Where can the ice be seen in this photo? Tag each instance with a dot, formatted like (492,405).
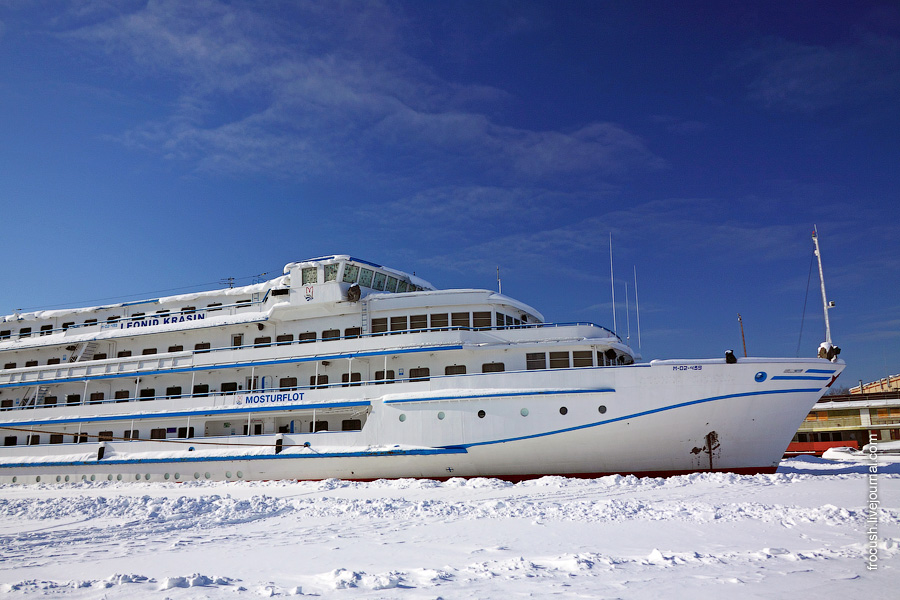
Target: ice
(798,533)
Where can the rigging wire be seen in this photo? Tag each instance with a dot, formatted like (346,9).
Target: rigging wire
(805,299)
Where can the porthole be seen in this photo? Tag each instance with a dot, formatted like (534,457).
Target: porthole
(166,476)
(602,409)
(38,479)
(93,477)
(196,475)
(563,410)
(58,479)
(402,418)
(137,476)
(84,477)
(227,474)
(109,477)
(524,412)
(240,474)
(481,414)
(147,476)
(119,477)
(15,479)
(441,416)
(67,478)
(207,475)
(177,475)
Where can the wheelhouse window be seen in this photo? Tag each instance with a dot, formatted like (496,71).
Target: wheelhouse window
(402,286)
(440,321)
(398,324)
(418,322)
(536,360)
(582,358)
(559,360)
(481,320)
(391,285)
(351,273)
(460,319)
(331,272)
(378,283)
(365,277)
(31,363)
(310,275)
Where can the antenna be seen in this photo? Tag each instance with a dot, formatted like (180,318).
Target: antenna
(229,281)
(637,308)
(743,341)
(612,284)
(499,285)
(627,316)
(825,304)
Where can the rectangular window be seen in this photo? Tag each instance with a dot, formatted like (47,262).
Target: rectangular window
(73,399)
(6,403)
(147,394)
(351,272)
(348,379)
(455,370)
(331,334)
(536,360)
(185,432)
(56,438)
(80,438)
(352,332)
(232,386)
(582,358)
(131,434)
(494,367)
(287,383)
(365,277)
(481,320)
(331,272)
(559,360)
(158,434)
(285,338)
(318,426)
(173,391)
(351,425)
(137,316)
(9,366)
(25,332)
(309,336)
(148,351)
(121,396)
(460,319)
(398,324)
(439,321)
(113,319)
(281,292)
(96,397)
(418,322)
(237,340)
(420,374)
(379,325)
(66,326)
(188,309)
(379,280)
(262,341)
(201,389)
(402,286)
(178,348)
(310,275)
(5,334)
(90,322)
(214,306)
(98,356)
(9,440)
(391,285)
(105,436)
(53,361)
(321,381)
(380,378)
(50,400)
(46,329)
(201,347)
(31,363)
(33,439)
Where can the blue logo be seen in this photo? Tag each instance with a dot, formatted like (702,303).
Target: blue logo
(761,376)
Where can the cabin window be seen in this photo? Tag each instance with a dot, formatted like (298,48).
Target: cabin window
(244,301)
(284,338)
(481,320)
(201,346)
(391,285)
(214,306)
(164,311)
(56,438)
(501,320)
(348,379)
(49,400)
(158,433)
(201,389)
(105,436)
(185,432)
(331,334)
(53,361)
(178,348)
(309,336)
(351,272)
(33,439)
(287,383)
(536,360)
(9,366)
(420,374)
(98,356)
(9,440)
(25,332)
(318,426)
(494,367)
(5,334)
(95,397)
(174,391)
(113,318)
(310,275)
(455,370)
(137,316)
(232,386)
(131,434)
(281,292)
(398,324)
(402,286)
(365,277)
(46,329)
(351,425)
(582,358)
(90,322)
(417,322)
(330,272)
(67,325)
(148,351)
(559,360)
(80,438)
(188,309)
(460,319)
(123,354)
(31,363)
(6,403)
(380,378)
(262,341)
(147,394)
(378,282)
(73,399)
(352,332)
(439,321)
(379,325)
(237,340)
(121,396)
(318,381)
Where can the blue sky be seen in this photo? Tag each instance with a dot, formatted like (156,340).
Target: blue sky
(149,148)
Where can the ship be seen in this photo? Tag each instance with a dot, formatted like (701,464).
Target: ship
(345,368)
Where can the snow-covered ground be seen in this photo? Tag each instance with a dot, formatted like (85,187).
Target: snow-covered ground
(801,533)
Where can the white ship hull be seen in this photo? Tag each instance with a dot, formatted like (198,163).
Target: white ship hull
(585,412)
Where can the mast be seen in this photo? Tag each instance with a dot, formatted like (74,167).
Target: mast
(825,303)
(612,285)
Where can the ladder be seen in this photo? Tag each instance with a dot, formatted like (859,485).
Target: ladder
(85,352)
(365,316)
